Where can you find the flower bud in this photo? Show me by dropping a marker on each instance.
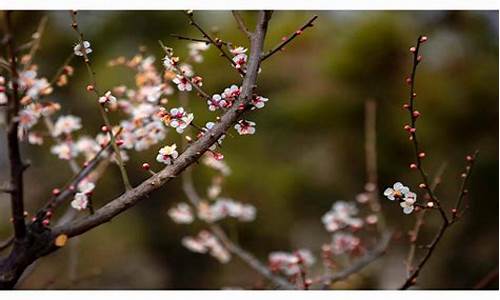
(413, 166)
(416, 114)
(413, 49)
(90, 88)
(56, 192)
(421, 154)
(423, 39)
(146, 166)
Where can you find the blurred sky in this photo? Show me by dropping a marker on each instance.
(308, 149)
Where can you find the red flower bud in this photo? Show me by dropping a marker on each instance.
(90, 88)
(146, 166)
(416, 114)
(56, 192)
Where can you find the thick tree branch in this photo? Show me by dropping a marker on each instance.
(17, 166)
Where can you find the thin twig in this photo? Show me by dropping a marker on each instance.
(241, 24)
(361, 263)
(420, 221)
(104, 115)
(37, 37)
(487, 279)
(187, 38)
(280, 46)
(462, 192)
(371, 161)
(413, 133)
(213, 41)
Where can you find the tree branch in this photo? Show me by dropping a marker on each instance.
(189, 156)
(241, 24)
(281, 45)
(17, 167)
(361, 263)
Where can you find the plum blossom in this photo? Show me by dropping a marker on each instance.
(86, 48)
(240, 61)
(259, 101)
(209, 127)
(245, 127)
(206, 242)
(170, 62)
(3, 96)
(290, 263)
(195, 50)
(35, 138)
(218, 165)
(107, 99)
(86, 187)
(231, 93)
(64, 151)
(183, 83)
(186, 69)
(238, 50)
(179, 119)
(29, 116)
(397, 191)
(80, 201)
(344, 243)
(66, 125)
(341, 215)
(88, 146)
(216, 102)
(181, 214)
(167, 154)
(408, 202)
(225, 207)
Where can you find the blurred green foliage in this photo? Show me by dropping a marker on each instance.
(308, 150)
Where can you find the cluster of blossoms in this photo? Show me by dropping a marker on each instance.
(290, 264)
(401, 193)
(244, 127)
(81, 199)
(224, 100)
(225, 207)
(221, 209)
(177, 118)
(341, 216)
(206, 242)
(196, 49)
(240, 58)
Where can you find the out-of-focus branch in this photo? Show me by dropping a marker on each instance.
(17, 166)
(361, 263)
(241, 24)
(420, 221)
(6, 243)
(486, 280)
(104, 115)
(371, 161)
(281, 45)
(37, 37)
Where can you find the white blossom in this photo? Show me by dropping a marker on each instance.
(80, 201)
(245, 127)
(66, 124)
(181, 214)
(86, 48)
(397, 191)
(167, 154)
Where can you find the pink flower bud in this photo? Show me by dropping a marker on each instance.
(146, 166)
(413, 166)
(416, 114)
(56, 192)
(413, 49)
(421, 154)
(422, 186)
(423, 39)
